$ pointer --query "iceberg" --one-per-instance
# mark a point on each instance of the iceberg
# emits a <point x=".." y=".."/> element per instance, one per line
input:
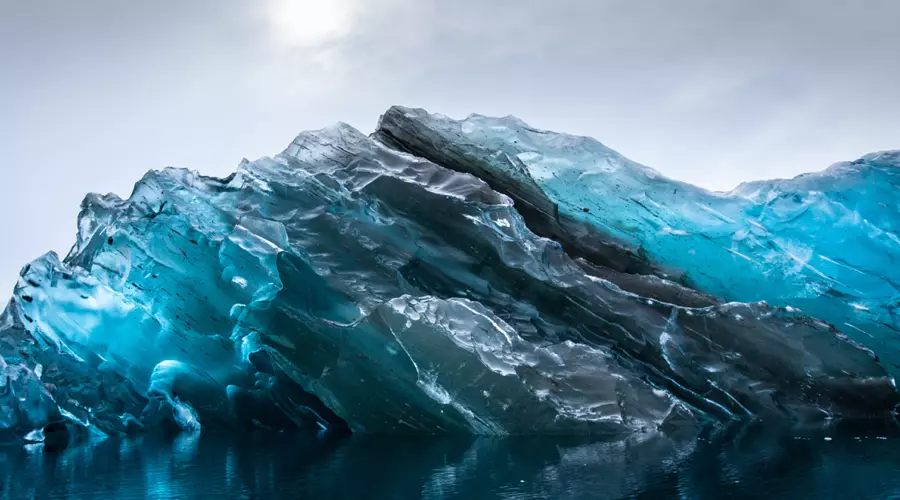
<point x="435" y="277"/>
<point x="824" y="242"/>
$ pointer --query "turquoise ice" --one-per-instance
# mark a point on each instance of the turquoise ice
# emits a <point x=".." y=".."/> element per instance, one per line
<point x="826" y="243"/>
<point x="346" y="285"/>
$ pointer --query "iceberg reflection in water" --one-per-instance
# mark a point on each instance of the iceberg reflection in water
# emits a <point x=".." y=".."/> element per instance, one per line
<point x="734" y="462"/>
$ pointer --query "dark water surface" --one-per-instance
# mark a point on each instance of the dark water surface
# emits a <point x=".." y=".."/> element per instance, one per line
<point x="736" y="462"/>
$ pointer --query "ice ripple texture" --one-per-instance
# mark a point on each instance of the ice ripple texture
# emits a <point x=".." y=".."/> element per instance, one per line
<point x="441" y="276"/>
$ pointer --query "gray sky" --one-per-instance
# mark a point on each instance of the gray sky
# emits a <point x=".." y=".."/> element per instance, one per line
<point x="95" y="92"/>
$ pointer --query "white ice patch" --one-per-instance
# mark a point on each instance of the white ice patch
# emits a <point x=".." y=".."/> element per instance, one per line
<point x="715" y="213"/>
<point x="185" y="416"/>
<point x="528" y="156"/>
<point x="429" y="385"/>
<point x="673" y="232"/>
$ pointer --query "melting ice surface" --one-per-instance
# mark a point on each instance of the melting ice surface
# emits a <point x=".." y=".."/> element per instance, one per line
<point x="473" y="277"/>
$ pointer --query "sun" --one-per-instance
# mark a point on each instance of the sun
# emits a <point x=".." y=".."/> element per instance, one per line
<point x="308" y="23"/>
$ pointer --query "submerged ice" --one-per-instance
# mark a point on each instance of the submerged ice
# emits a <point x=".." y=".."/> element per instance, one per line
<point x="440" y="276"/>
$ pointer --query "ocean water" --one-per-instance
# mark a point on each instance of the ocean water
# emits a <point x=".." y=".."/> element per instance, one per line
<point x="725" y="462"/>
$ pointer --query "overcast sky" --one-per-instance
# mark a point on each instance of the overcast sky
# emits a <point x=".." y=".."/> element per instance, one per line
<point x="95" y="92"/>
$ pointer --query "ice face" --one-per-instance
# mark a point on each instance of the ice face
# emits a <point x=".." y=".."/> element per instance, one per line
<point x="824" y="243"/>
<point x="345" y="286"/>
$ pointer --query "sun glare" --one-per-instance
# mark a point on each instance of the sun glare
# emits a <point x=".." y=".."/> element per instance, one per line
<point x="307" y="23"/>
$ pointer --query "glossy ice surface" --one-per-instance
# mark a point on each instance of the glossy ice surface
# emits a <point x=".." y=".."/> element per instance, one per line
<point x="476" y="277"/>
<point x="826" y="242"/>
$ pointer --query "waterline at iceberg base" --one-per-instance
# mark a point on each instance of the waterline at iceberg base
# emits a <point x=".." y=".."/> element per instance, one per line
<point x="476" y="276"/>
